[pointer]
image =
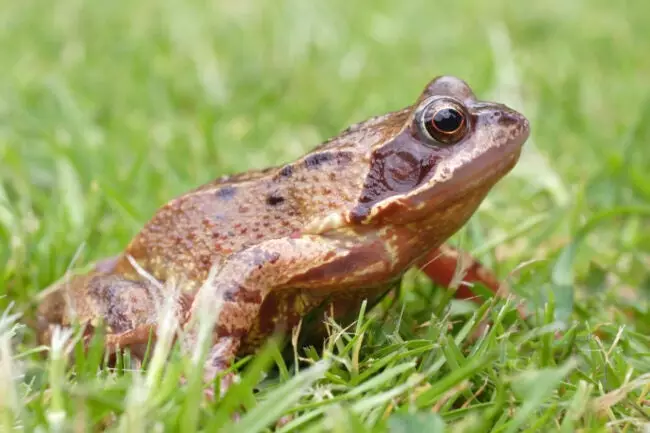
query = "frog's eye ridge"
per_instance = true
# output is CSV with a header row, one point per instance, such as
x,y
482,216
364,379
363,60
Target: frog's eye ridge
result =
x,y
442,122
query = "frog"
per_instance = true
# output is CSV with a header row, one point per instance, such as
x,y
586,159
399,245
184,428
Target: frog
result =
x,y
262,250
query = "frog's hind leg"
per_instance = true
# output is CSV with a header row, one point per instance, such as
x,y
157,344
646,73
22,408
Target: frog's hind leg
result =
x,y
124,308
60,304
128,311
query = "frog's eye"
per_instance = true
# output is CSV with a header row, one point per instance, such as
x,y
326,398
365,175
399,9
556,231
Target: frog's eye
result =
x,y
442,121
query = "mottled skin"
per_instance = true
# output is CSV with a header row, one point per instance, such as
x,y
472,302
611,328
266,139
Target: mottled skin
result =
x,y
340,225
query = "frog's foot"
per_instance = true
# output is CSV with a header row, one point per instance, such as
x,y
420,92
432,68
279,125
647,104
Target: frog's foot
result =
x,y
219,359
136,340
225,383
452,268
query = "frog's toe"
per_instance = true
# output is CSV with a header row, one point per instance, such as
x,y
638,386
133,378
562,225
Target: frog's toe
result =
x,y
220,359
43,330
226,381
132,338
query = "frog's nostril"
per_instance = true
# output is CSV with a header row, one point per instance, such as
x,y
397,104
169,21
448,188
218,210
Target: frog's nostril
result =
x,y
525,125
510,118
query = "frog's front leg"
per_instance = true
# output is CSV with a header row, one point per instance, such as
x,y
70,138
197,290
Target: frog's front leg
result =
x,y
246,278
455,269
452,268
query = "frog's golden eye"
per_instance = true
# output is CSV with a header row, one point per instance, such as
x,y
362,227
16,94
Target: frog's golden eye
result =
x,y
442,122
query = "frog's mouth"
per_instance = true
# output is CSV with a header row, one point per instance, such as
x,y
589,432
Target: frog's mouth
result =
x,y
480,175
464,190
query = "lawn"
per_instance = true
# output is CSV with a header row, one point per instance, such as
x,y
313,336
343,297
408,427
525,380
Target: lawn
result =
x,y
109,109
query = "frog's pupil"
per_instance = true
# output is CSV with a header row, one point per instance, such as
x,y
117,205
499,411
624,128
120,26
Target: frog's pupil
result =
x,y
447,120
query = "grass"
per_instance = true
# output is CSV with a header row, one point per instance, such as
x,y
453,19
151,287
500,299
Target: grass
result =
x,y
109,109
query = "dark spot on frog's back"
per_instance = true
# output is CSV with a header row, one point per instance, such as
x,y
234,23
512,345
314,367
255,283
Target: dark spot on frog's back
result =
x,y
286,171
274,199
226,192
315,160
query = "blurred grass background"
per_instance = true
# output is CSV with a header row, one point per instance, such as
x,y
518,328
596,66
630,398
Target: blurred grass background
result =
x,y
109,109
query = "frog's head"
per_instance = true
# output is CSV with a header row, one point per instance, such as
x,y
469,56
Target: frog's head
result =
x,y
441,161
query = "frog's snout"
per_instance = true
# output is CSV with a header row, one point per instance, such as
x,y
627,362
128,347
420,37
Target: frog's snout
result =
x,y
509,126
515,122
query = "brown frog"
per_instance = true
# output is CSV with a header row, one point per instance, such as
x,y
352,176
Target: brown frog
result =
x,y
337,226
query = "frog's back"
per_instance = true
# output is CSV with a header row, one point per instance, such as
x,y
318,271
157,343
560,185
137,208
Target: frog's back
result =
x,y
190,234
